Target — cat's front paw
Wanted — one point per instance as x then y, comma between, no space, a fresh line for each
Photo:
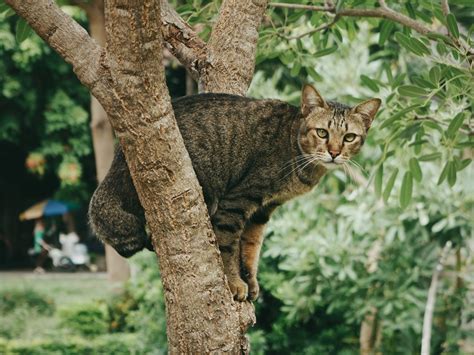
238,288
254,289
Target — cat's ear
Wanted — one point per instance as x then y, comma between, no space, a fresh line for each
368,109
310,99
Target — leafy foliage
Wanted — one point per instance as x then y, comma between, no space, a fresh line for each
16,298
44,108
86,319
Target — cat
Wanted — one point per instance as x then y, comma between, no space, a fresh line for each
250,156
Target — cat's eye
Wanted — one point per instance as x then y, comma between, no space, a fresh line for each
349,137
322,133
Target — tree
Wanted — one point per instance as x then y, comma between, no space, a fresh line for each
103,136
130,69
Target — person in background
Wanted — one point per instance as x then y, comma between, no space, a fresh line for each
40,246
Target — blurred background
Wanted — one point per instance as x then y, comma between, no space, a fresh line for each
346,269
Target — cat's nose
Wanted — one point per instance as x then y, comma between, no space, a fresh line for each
334,153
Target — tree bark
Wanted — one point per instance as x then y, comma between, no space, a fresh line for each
118,269
232,47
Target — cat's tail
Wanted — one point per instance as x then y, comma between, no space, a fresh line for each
115,213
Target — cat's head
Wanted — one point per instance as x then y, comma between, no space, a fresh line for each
332,133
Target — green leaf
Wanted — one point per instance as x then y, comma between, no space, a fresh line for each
420,46
439,37
443,174
462,164
406,190
439,15
412,91
409,131
397,80
389,186
296,69
378,181
287,57
451,173
325,51
435,75
314,74
398,115
410,10
430,157
415,169
385,30
455,124
433,125
23,30
452,25
423,83
339,5
412,44
441,48
371,84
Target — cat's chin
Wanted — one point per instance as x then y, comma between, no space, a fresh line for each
331,165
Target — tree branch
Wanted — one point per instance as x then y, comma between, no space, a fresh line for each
182,41
382,12
232,46
445,7
430,303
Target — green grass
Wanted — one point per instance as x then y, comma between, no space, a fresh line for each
65,290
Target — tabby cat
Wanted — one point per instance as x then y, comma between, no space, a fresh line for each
250,156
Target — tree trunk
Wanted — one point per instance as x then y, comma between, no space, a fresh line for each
118,269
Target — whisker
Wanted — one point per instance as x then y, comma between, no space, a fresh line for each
303,163
295,160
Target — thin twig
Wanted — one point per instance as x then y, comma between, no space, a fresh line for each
302,7
445,7
322,27
430,303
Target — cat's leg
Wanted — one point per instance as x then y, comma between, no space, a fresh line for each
250,245
228,223
115,213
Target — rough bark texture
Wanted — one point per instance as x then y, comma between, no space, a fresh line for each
232,46
182,41
118,269
128,80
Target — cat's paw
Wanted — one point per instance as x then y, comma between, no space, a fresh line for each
149,244
238,288
254,289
